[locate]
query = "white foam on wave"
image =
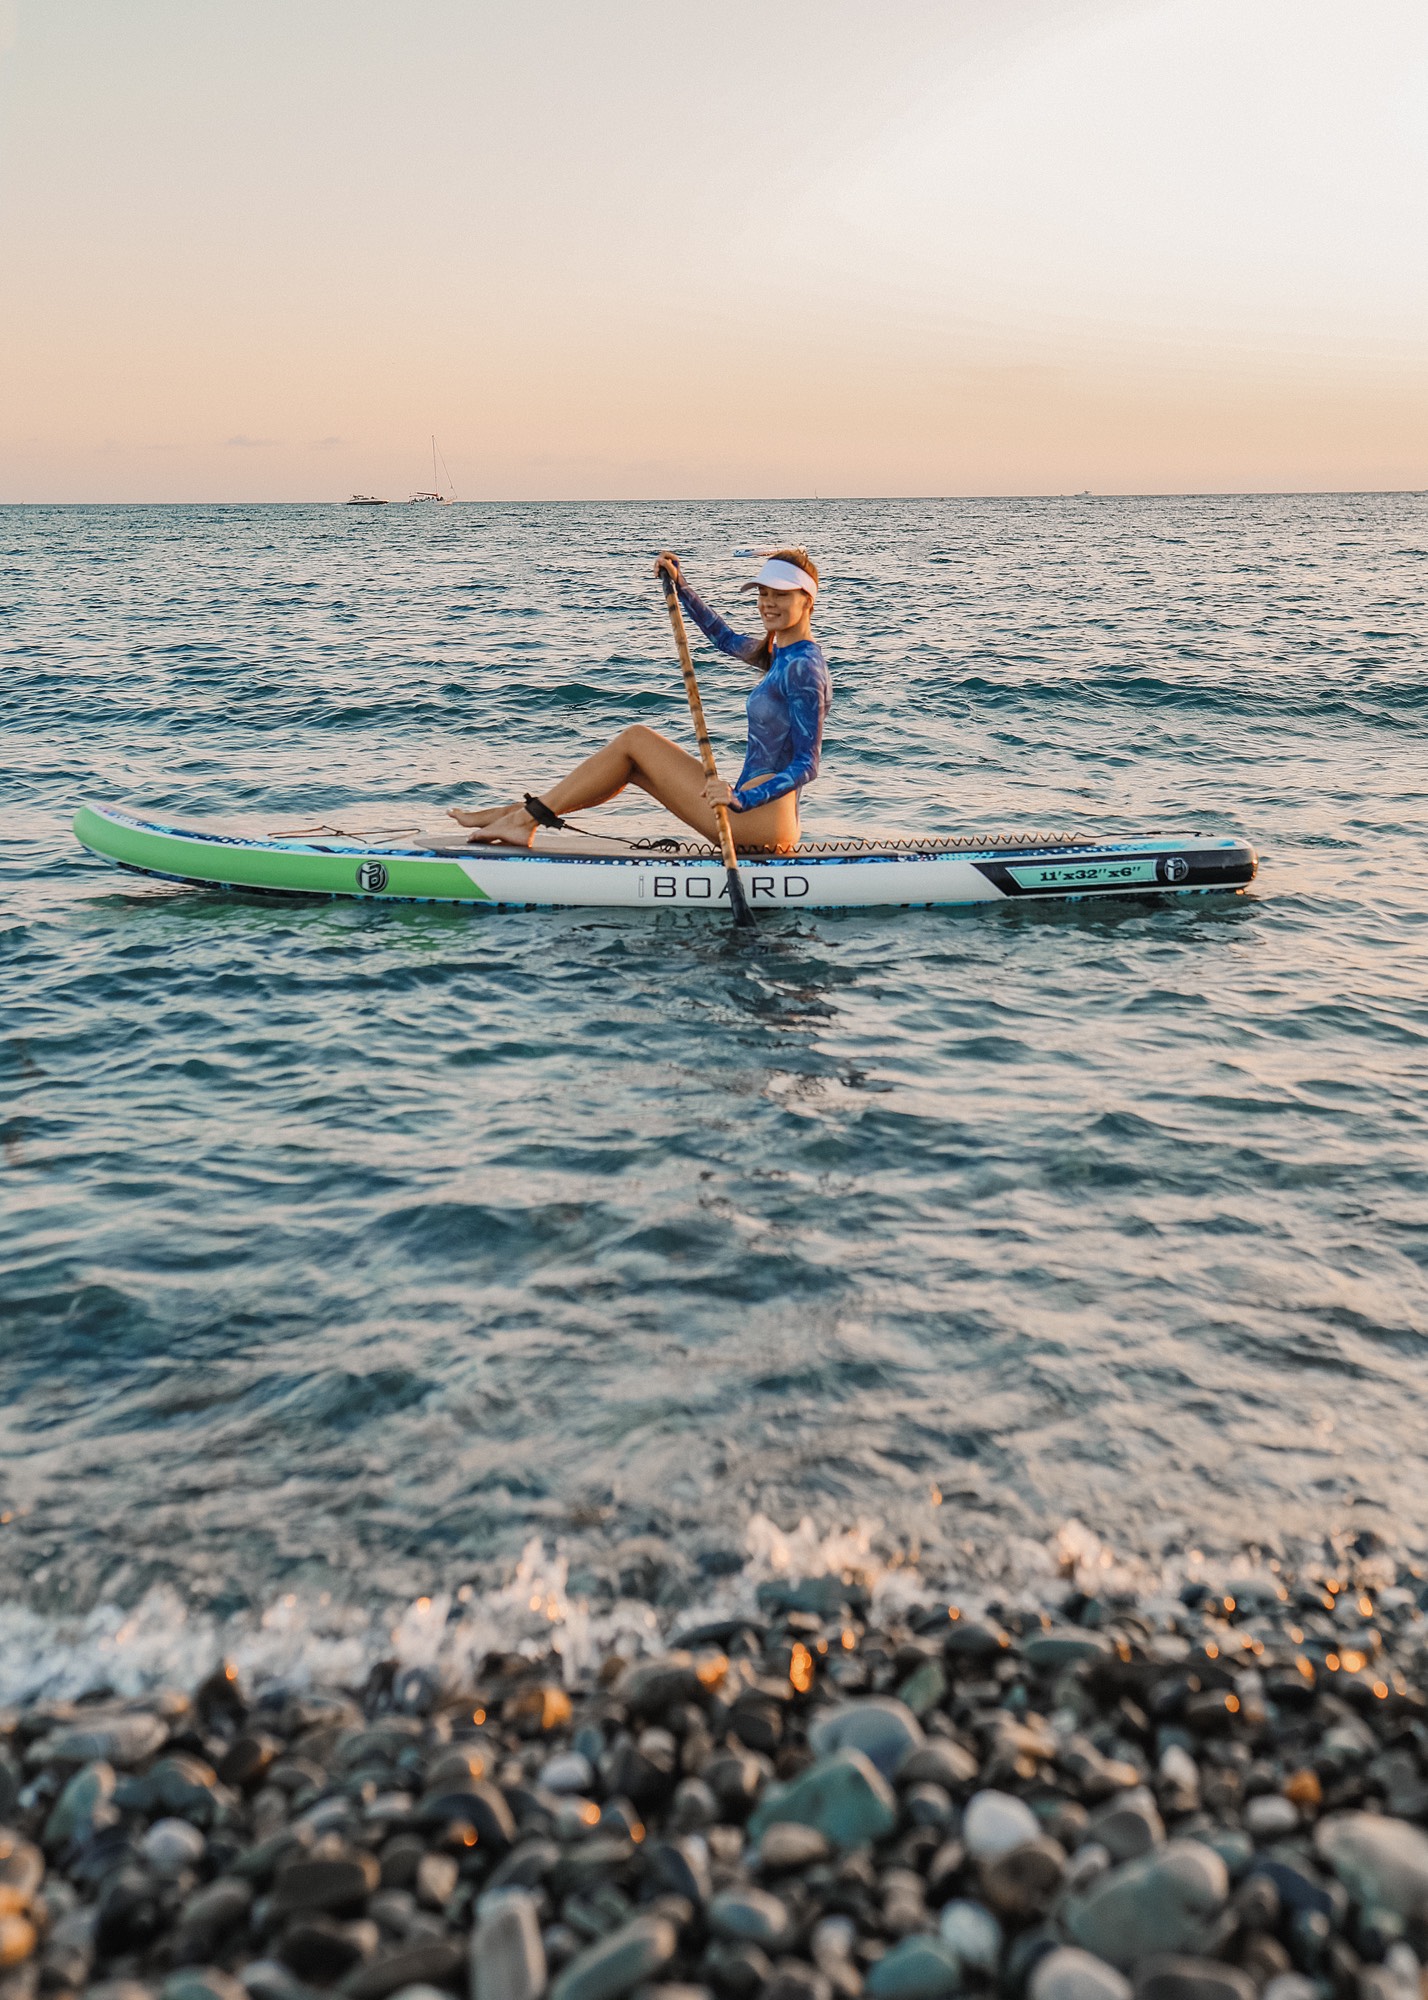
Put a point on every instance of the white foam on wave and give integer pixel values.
(319, 1639)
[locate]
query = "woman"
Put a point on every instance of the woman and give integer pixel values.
(786, 711)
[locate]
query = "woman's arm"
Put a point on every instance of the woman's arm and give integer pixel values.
(713, 626)
(806, 707)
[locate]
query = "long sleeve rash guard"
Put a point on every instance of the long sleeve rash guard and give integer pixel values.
(786, 708)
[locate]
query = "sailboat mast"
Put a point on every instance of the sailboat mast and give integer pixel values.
(433, 461)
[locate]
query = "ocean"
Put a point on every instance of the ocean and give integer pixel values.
(375, 1270)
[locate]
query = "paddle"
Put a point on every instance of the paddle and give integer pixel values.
(737, 901)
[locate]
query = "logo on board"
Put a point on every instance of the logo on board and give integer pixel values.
(371, 875)
(1174, 868)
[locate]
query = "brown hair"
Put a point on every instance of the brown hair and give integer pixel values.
(801, 559)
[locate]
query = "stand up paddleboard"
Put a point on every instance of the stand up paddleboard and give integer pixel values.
(577, 871)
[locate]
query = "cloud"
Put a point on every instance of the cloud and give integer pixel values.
(327, 444)
(251, 444)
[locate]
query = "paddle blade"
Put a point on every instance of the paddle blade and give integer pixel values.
(738, 901)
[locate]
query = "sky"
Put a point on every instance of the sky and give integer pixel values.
(263, 249)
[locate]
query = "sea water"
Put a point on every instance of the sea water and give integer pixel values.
(369, 1269)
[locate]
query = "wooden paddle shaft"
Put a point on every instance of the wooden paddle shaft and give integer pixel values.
(696, 710)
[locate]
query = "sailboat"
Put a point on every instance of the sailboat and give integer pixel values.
(439, 497)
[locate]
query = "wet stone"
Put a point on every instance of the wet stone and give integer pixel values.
(320, 1948)
(211, 1913)
(996, 1822)
(1167, 1900)
(651, 1686)
(436, 1879)
(939, 1762)
(1022, 1882)
(886, 1731)
(786, 1845)
(615, 1965)
(22, 1866)
(122, 1740)
(1381, 1861)
(972, 1934)
(1127, 1825)
(1069, 1974)
(682, 1868)
(1168, 1978)
(507, 1955)
(204, 1982)
(737, 1971)
(568, 1772)
(1270, 1817)
(793, 1980)
(247, 1758)
(430, 1962)
(333, 1886)
(86, 1793)
(752, 1914)
(843, 1796)
(17, 1940)
(917, 1968)
(928, 1806)
(171, 1845)
(1064, 1648)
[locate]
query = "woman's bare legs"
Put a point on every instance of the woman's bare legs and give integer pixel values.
(642, 757)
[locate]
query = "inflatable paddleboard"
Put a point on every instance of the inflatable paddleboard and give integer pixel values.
(577, 871)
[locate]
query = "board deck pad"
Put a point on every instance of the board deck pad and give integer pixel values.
(580, 870)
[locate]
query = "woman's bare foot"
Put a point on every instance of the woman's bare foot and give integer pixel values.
(513, 827)
(482, 818)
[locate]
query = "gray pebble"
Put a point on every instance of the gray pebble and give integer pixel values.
(939, 1762)
(1270, 1816)
(1380, 1861)
(972, 1934)
(1167, 1900)
(995, 1822)
(751, 1914)
(844, 1796)
(507, 1955)
(883, 1729)
(613, 1966)
(917, 1968)
(202, 1983)
(87, 1792)
(1164, 1977)
(1064, 1648)
(121, 1739)
(786, 1846)
(1127, 1825)
(569, 1772)
(1069, 1974)
(171, 1845)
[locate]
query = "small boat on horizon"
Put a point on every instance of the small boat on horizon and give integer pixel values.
(439, 497)
(366, 500)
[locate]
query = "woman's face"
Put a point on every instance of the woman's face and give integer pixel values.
(781, 610)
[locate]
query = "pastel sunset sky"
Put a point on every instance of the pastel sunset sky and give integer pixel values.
(260, 249)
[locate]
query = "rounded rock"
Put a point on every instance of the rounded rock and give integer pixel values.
(613, 1966)
(972, 1934)
(1070, 1974)
(885, 1730)
(754, 1916)
(917, 1968)
(1168, 1900)
(171, 1845)
(1381, 1861)
(996, 1822)
(1270, 1816)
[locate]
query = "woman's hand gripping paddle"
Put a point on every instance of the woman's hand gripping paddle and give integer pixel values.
(738, 903)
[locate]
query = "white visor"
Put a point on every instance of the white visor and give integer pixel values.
(776, 575)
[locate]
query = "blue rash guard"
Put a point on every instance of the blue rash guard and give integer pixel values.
(786, 708)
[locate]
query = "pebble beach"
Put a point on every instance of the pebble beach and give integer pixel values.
(1211, 1795)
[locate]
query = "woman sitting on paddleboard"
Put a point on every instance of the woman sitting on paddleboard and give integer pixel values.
(786, 711)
